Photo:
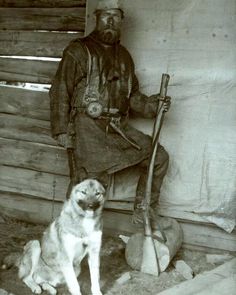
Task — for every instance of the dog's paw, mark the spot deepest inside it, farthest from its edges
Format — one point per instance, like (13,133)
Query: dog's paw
(36,290)
(50,289)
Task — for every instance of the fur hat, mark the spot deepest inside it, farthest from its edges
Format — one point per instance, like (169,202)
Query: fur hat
(108,4)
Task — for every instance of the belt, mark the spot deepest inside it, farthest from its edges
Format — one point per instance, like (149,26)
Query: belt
(111,114)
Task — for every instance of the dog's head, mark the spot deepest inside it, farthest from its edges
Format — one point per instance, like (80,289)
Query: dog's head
(89,197)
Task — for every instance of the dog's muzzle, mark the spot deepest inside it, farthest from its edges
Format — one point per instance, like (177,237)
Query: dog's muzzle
(93,206)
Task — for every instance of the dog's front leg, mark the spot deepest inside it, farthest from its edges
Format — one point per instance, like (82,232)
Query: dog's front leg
(71,280)
(94,262)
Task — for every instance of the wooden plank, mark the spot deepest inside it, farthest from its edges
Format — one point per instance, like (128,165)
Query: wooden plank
(33,183)
(27,129)
(29,209)
(26,70)
(205,249)
(42,3)
(34,156)
(208,236)
(120,205)
(53,19)
(219,281)
(25,102)
(47,44)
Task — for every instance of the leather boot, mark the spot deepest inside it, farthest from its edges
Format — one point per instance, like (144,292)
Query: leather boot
(137,217)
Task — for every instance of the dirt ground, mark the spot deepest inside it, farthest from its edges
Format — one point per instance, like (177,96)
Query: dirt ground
(15,234)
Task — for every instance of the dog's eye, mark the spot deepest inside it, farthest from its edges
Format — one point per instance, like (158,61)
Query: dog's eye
(83,192)
(97,193)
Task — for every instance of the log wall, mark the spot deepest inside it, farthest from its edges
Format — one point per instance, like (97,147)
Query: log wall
(33,167)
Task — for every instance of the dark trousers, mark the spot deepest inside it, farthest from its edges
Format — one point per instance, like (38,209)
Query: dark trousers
(160,169)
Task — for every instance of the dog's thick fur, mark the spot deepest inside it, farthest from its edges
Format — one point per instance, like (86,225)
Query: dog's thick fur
(76,232)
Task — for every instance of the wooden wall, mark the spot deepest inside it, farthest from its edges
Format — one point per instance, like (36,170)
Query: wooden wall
(33,168)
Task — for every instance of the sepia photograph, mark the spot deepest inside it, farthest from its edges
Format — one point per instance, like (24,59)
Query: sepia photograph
(118,147)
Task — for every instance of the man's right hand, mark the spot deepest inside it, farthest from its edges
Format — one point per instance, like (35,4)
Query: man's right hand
(62,140)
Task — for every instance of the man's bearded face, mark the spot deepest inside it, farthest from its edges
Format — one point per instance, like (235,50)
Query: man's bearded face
(108,25)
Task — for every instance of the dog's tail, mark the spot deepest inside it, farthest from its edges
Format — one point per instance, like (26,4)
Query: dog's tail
(11,260)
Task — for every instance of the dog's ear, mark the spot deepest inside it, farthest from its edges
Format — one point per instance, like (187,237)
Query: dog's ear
(99,184)
(103,184)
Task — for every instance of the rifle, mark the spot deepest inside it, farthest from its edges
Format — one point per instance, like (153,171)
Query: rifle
(150,262)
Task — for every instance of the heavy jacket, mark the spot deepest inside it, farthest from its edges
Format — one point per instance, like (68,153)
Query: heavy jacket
(90,69)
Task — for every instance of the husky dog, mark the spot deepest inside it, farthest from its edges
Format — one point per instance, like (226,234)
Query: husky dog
(76,232)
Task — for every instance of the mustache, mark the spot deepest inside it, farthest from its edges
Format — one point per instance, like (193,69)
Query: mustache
(110,27)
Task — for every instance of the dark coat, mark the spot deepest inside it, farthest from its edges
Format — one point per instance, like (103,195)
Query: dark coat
(96,150)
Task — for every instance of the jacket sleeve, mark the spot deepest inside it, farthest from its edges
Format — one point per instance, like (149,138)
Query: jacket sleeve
(68,74)
(140,104)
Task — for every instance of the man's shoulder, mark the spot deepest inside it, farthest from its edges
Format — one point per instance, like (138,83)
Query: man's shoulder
(76,48)
(125,53)
(123,48)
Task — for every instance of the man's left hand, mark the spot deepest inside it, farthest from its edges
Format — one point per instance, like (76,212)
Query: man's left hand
(166,101)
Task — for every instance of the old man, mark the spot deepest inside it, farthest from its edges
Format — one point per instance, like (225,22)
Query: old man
(93,95)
